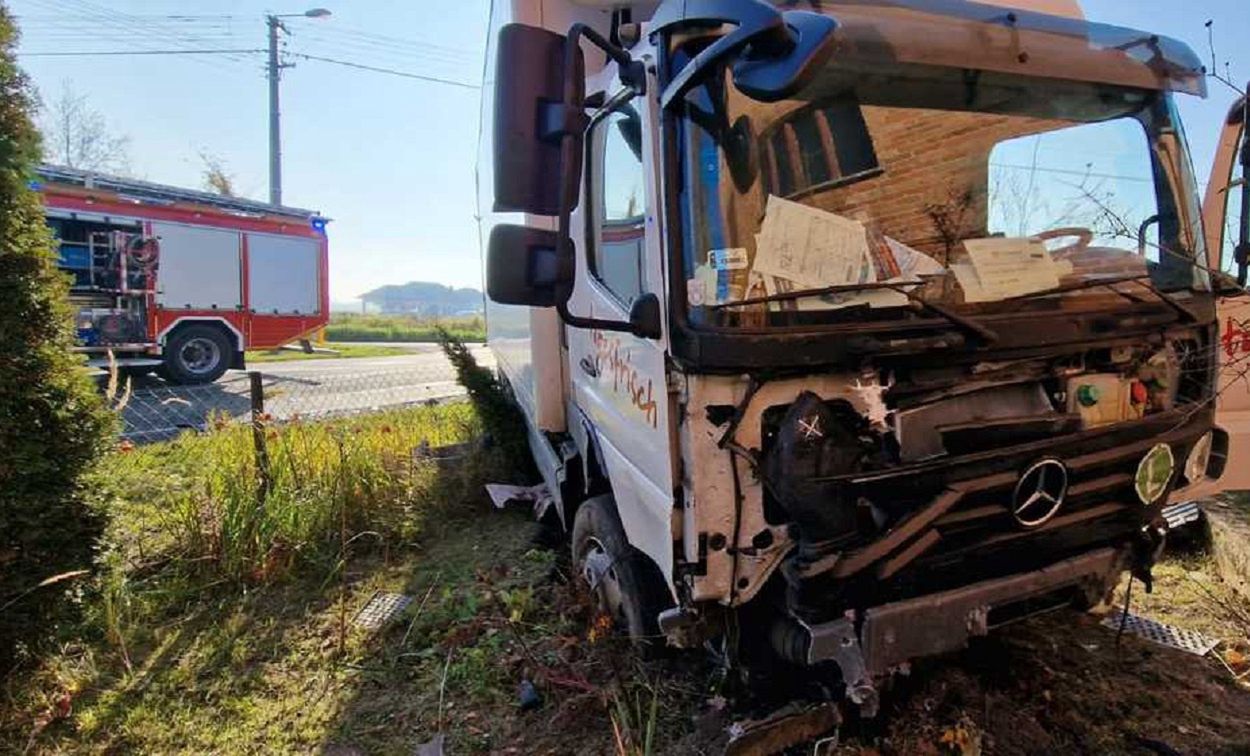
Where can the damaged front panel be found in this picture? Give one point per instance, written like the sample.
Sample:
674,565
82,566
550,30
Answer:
722,429
903,479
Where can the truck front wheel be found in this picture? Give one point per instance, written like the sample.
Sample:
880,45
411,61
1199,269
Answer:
196,354
626,584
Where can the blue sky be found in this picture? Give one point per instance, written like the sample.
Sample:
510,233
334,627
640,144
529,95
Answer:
389,158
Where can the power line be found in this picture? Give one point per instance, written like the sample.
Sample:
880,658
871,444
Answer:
62,53
354,47
139,16
110,24
177,37
417,65
392,41
1067,172
391,71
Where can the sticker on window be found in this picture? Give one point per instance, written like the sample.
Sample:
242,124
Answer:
728,259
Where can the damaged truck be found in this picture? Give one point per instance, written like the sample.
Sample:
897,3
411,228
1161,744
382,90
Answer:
846,331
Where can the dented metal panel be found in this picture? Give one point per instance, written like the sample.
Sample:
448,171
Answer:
939,623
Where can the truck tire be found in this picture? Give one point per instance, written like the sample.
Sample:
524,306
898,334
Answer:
196,355
626,584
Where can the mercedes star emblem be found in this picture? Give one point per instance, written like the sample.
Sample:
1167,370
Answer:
1040,493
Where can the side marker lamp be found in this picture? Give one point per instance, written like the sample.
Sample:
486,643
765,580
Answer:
1199,459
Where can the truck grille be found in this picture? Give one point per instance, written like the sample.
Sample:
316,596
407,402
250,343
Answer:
958,523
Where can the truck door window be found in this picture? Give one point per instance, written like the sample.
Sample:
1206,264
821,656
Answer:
619,203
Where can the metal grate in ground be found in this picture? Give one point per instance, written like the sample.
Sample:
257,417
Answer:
381,609
1165,635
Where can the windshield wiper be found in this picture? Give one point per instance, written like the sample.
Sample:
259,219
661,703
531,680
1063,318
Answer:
1171,301
1110,283
906,288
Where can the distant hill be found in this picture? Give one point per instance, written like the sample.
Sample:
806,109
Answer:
423,298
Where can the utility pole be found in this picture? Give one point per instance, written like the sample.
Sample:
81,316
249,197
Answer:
275,113
274,23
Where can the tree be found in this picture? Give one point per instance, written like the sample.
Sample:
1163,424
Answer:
76,135
217,178
52,422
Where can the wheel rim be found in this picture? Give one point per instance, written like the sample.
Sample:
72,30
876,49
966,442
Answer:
200,355
598,569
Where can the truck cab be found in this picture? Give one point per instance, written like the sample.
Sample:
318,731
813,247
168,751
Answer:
848,331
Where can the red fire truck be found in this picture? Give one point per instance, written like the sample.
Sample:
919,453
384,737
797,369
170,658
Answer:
183,282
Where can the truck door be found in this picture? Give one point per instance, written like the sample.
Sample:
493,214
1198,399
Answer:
1222,210
619,379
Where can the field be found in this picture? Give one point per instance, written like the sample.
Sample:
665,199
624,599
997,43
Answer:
410,328
340,351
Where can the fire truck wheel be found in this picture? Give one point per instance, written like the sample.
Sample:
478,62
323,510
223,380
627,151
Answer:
196,354
627,585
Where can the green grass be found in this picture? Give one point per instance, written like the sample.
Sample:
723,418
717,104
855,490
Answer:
342,351
220,622
223,624
410,328
219,619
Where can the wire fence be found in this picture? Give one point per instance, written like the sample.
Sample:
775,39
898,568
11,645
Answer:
152,410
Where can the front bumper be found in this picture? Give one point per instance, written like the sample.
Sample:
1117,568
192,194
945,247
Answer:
895,633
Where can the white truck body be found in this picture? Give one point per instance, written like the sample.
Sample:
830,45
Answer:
680,437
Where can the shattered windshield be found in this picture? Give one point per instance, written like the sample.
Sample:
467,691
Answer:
882,188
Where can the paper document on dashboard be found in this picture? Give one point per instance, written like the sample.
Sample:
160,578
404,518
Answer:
811,247
1005,268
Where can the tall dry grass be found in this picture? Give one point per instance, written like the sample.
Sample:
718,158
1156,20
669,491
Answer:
201,499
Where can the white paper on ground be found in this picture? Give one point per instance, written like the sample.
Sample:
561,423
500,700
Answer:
811,247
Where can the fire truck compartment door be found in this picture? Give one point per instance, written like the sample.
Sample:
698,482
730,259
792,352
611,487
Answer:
1220,216
283,275
199,268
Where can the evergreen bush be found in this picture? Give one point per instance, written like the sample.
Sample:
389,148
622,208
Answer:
53,424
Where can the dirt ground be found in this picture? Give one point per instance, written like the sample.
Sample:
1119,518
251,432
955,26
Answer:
1055,684
1059,684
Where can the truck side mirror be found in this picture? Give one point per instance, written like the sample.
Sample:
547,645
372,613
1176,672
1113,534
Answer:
774,78
777,53
528,266
540,125
645,317
530,69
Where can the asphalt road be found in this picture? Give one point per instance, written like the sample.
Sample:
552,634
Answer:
310,388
